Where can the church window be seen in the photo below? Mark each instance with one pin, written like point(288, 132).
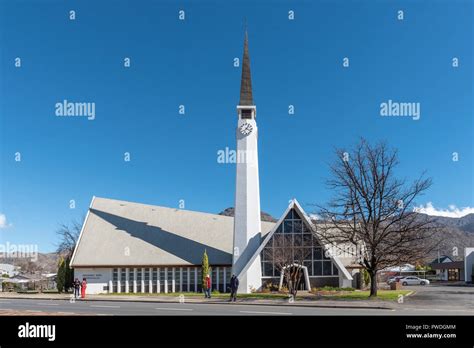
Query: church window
point(327, 268)
point(131, 274)
point(155, 280)
point(293, 240)
point(147, 280)
point(139, 280)
point(123, 278)
point(114, 280)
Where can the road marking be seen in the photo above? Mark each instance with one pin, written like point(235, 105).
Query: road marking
point(99, 306)
point(254, 312)
point(174, 309)
point(48, 304)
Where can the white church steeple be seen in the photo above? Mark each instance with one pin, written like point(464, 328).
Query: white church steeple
point(247, 226)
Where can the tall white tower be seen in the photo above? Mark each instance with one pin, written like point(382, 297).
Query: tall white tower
point(247, 226)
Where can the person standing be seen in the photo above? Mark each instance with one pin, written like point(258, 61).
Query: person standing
point(76, 286)
point(234, 286)
point(83, 288)
point(207, 286)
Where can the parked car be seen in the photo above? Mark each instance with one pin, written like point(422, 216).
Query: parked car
point(394, 279)
point(414, 281)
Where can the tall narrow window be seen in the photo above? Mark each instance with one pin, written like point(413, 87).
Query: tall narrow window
point(221, 280)
point(114, 280)
point(147, 280)
point(214, 278)
point(177, 280)
point(170, 279)
point(185, 279)
point(131, 273)
point(155, 280)
point(123, 278)
point(162, 279)
point(139, 280)
point(192, 280)
point(199, 279)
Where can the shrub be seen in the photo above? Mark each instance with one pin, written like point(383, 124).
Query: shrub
point(331, 288)
point(50, 291)
point(365, 277)
point(269, 287)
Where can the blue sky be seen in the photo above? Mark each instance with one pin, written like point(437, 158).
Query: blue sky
point(190, 62)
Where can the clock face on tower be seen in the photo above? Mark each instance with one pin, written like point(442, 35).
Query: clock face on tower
point(246, 128)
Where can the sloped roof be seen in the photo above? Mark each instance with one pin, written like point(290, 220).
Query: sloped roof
point(442, 259)
point(448, 265)
point(120, 233)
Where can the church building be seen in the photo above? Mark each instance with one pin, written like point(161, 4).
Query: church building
point(127, 247)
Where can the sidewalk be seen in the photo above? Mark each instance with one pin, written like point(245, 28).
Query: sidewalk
point(321, 303)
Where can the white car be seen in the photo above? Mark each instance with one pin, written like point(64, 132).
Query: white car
point(414, 281)
point(394, 279)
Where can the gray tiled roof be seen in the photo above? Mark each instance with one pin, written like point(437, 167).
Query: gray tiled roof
point(120, 233)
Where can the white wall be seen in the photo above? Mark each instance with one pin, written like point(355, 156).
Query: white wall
point(344, 282)
point(97, 279)
point(468, 262)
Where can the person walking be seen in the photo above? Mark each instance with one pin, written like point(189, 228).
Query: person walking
point(76, 285)
point(207, 286)
point(234, 286)
point(83, 288)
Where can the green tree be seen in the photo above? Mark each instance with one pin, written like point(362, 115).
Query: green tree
point(205, 269)
point(420, 267)
point(365, 277)
point(61, 277)
point(69, 274)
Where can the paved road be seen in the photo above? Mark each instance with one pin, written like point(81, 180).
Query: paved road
point(427, 300)
point(140, 308)
point(438, 297)
point(62, 307)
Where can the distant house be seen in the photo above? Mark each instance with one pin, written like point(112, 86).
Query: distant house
point(17, 282)
point(23, 282)
point(8, 269)
point(49, 280)
point(448, 269)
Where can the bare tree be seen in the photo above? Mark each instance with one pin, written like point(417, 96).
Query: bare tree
point(288, 258)
point(68, 235)
point(373, 208)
